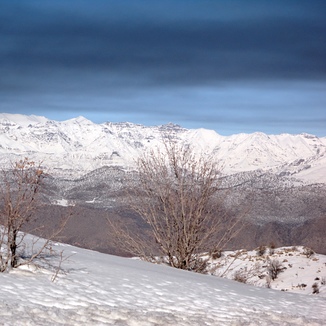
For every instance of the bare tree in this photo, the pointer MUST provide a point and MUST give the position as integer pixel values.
(274, 268)
(178, 196)
(19, 199)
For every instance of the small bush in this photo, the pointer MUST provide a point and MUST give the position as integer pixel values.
(274, 268)
(198, 265)
(315, 288)
(240, 276)
(216, 254)
(308, 252)
(261, 250)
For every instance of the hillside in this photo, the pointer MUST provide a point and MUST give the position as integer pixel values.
(99, 289)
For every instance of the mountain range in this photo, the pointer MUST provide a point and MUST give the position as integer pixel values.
(77, 146)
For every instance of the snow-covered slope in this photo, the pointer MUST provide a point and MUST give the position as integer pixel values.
(300, 269)
(21, 120)
(77, 146)
(99, 289)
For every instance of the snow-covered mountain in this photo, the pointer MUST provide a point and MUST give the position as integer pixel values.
(77, 146)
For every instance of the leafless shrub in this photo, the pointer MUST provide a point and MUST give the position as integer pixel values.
(261, 250)
(308, 252)
(199, 265)
(216, 254)
(178, 196)
(315, 288)
(274, 268)
(240, 276)
(244, 275)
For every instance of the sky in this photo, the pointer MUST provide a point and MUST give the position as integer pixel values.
(229, 65)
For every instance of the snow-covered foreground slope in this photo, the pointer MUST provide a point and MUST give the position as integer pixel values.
(100, 289)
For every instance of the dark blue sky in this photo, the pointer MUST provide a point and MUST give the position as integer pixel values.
(232, 66)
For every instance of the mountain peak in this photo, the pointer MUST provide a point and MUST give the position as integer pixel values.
(80, 120)
(23, 120)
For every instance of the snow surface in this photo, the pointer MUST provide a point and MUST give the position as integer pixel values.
(64, 202)
(100, 289)
(301, 268)
(22, 120)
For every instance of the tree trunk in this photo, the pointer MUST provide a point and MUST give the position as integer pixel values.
(12, 242)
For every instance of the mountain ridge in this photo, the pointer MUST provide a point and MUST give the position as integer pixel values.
(76, 146)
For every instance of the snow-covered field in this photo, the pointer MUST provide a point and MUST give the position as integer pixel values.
(100, 289)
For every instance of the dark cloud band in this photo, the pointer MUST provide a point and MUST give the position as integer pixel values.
(188, 51)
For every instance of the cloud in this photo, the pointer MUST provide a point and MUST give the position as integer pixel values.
(204, 48)
(210, 62)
